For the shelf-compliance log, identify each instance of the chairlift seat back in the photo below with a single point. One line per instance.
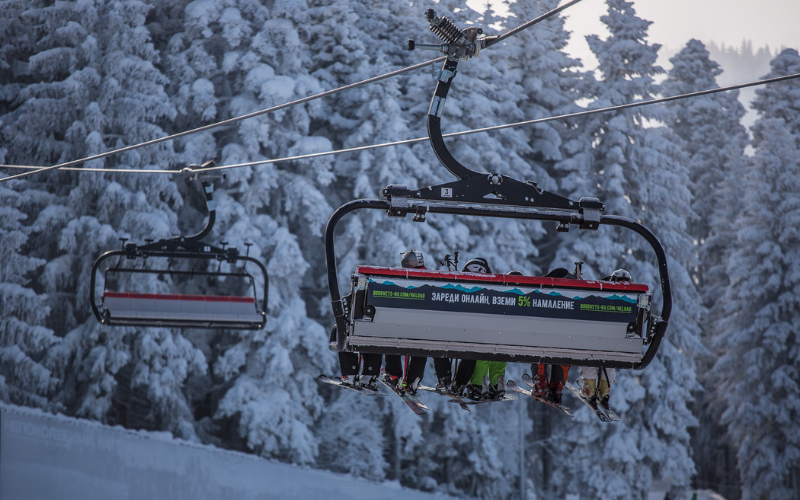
(202, 311)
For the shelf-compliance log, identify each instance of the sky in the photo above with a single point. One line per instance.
(675, 22)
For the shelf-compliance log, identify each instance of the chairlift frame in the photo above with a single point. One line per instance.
(484, 194)
(180, 310)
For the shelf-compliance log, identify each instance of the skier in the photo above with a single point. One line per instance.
(470, 372)
(349, 361)
(596, 382)
(551, 388)
(414, 365)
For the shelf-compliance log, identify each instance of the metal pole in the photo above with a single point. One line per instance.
(523, 483)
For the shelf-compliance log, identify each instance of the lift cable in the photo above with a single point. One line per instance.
(286, 105)
(530, 23)
(453, 134)
(230, 120)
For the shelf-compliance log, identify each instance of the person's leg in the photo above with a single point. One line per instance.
(607, 375)
(348, 365)
(415, 370)
(497, 369)
(372, 364)
(480, 371)
(556, 388)
(539, 376)
(463, 373)
(444, 371)
(589, 376)
(475, 386)
(497, 379)
(371, 370)
(394, 365)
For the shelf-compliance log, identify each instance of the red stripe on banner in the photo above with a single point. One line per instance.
(500, 278)
(175, 296)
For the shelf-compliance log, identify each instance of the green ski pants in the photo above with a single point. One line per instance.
(493, 368)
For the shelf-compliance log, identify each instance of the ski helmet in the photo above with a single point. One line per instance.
(558, 272)
(413, 259)
(621, 275)
(476, 265)
(514, 273)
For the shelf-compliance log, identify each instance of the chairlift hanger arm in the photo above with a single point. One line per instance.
(472, 185)
(190, 244)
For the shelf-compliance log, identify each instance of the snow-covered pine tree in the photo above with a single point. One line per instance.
(756, 375)
(546, 83)
(714, 140)
(227, 59)
(640, 174)
(25, 378)
(88, 84)
(352, 41)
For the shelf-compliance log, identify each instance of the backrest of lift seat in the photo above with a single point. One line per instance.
(499, 309)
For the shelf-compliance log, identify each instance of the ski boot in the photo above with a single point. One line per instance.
(349, 380)
(457, 390)
(369, 382)
(396, 383)
(540, 386)
(498, 390)
(443, 384)
(474, 392)
(412, 387)
(603, 390)
(589, 390)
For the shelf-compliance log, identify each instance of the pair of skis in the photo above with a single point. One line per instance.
(465, 403)
(527, 379)
(603, 413)
(411, 400)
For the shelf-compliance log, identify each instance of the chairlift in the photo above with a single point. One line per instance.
(475, 316)
(186, 261)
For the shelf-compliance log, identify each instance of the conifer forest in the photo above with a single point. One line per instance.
(716, 409)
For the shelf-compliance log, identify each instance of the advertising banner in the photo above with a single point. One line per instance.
(568, 303)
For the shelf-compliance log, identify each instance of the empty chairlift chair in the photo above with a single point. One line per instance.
(132, 276)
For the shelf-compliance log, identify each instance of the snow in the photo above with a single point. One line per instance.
(52, 456)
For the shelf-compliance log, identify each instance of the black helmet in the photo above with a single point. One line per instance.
(413, 259)
(558, 272)
(477, 265)
(514, 273)
(621, 275)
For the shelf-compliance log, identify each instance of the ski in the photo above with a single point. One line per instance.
(514, 387)
(413, 397)
(596, 409)
(444, 393)
(338, 382)
(402, 395)
(611, 414)
(463, 401)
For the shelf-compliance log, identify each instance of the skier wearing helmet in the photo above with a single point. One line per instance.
(414, 365)
(349, 361)
(470, 372)
(552, 387)
(596, 381)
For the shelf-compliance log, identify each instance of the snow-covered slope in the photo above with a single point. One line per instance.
(56, 457)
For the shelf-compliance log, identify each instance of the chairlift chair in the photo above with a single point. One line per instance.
(125, 305)
(433, 313)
